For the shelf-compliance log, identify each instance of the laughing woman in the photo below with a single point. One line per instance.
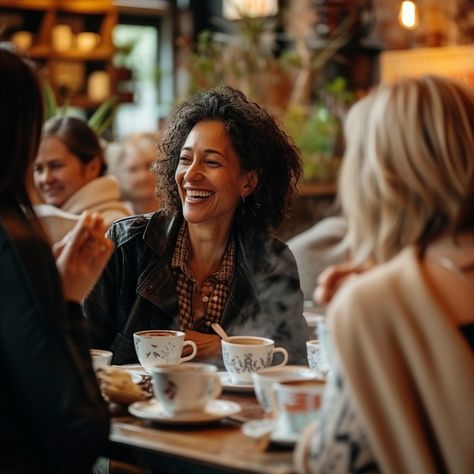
(227, 175)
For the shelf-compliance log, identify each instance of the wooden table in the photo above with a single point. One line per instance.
(218, 447)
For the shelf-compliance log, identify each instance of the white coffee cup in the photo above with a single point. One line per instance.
(100, 358)
(243, 355)
(264, 379)
(317, 359)
(298, 403)
(187, 387)
(158, 347)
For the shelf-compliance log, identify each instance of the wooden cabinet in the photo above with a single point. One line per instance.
(71, 41)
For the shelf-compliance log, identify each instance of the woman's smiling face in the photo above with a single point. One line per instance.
(209, 178)
(58, 173)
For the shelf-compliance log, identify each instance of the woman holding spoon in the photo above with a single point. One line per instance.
(227, 174)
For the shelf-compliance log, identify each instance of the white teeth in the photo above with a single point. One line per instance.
(194, 194)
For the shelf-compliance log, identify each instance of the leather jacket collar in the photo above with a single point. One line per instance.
(157, 282)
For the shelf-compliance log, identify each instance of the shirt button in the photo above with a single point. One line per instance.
(205, 299)
(149, 289)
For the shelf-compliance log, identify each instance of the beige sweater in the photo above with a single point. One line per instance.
(409, 370)
(100, 195)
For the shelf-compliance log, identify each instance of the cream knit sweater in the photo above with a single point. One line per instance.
(409, 369)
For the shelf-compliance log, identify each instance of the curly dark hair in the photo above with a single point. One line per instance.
(261, 145)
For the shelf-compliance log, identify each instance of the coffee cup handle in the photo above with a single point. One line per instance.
(285, 355)
(216, 386)
(193, 354)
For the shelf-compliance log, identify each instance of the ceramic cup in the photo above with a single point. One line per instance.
(100, 358)
(159, 347)
(244, 355)
(317, 359)
(298, 403)
(264, 379)
(187, 387)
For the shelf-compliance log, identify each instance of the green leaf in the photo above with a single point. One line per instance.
(50, 104)
(104, 115)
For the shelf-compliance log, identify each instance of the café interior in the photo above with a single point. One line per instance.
(121, 68)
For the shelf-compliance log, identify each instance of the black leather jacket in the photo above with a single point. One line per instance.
(52, 416)
(138, 289)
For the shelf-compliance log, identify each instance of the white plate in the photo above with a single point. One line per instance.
(229, 385)
(134, 369)
(153, 410)
(259, 428)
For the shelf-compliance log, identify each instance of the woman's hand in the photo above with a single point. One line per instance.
(82, 255)
(208, 345)
(331, 279)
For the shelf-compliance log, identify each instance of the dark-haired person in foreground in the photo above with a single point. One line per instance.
(52, 416)
(227, 175)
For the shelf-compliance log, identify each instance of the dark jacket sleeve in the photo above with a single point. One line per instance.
(51, 403)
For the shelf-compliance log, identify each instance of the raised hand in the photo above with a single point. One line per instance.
(208, 345)
(82, 255)
(331, 279)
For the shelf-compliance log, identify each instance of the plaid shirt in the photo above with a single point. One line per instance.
(208, 300)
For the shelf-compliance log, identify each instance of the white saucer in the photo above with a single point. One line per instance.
(259, 428)
(153, 410)
(134, 369)
(231, 386)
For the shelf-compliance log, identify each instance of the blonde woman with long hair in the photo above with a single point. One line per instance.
(400, 399)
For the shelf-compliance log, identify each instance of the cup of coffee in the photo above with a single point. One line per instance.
(298, 403)
(187, 387)
(243, 355)
(317, 359)
(264, 379)
(100, 358)
(158, 347)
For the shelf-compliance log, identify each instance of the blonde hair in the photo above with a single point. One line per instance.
(408, 165)
(144, 142)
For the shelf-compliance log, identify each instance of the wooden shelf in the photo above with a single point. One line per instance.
(82, 101)
(28, 4)
(85, 7)
(40, 51)
(317, 189)
(99, 54)
(68, 70)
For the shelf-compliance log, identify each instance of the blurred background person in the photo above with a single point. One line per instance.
(400, 395)
(227, 174)
(52, 414)
(317, 248)
(130, 161)
(69, 174)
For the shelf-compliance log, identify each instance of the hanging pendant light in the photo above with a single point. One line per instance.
(408, 15)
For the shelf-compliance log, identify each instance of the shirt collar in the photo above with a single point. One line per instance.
(180, 257)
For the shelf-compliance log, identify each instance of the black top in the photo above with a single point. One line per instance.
(137, 290)
(468, 331)
(52, 416)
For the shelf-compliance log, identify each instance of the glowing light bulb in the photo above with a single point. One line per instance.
(408, 16)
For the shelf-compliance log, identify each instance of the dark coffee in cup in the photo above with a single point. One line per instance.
(247, 341)
(155, 332)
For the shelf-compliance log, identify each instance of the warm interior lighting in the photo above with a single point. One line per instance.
(408, 16)
(236, 9)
